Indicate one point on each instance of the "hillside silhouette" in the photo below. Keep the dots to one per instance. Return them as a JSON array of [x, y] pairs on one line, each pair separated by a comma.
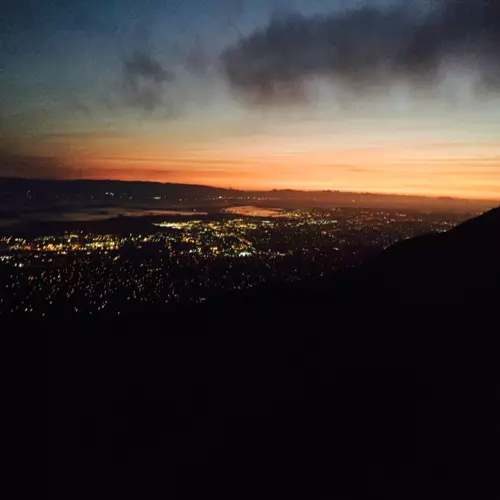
[[382, 387], [21, 195], [458, 267]]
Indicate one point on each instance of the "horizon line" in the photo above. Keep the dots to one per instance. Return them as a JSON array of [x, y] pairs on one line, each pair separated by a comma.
[[254, 190]]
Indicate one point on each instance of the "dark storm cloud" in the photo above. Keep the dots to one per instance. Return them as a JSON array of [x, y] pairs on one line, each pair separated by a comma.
[[365, 47], [146, 81], [466, 29]]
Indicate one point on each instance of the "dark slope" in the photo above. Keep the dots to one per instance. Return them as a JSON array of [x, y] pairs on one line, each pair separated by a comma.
[[291, 394], [461, 266], [436, 271]]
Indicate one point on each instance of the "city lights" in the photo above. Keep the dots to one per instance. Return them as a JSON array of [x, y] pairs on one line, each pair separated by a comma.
[[192, 260]]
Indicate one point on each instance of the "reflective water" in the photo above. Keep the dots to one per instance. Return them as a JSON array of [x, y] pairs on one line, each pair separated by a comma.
[[252, 211]]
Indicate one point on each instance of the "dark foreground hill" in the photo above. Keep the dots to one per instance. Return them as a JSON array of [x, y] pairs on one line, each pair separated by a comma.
[[427, 275], [382, 385], [461, 266]]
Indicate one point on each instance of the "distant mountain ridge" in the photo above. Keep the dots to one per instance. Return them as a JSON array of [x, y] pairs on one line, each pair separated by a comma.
[[104, 187], [41, 189]]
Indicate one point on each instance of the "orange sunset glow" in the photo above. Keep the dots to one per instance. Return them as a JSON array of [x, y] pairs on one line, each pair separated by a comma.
[[213, 116], [297, 159]]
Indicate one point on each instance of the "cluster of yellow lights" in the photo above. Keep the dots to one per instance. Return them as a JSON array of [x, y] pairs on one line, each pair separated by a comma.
[[74, 247], [178, 225]]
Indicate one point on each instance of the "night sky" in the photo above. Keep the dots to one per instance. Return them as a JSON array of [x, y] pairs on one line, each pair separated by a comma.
[[394, 97]]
